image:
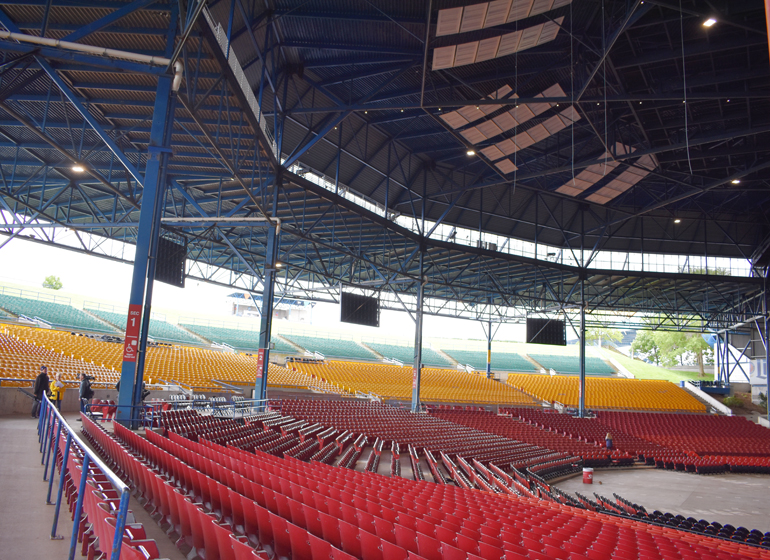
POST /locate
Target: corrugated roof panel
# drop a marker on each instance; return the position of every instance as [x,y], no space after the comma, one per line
[488,49]
[489,129]
[505,121]
[466,53]
[492,153]
[454,119]
[538,132]
[506,166]
[473,17]
[449,21]
[473,135]
[509,43]
[529,37]
[520,10]
[444,57]
[497,13]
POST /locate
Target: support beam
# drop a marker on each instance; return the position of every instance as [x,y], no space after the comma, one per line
[131,375]
[582,403]
[268,295]
[417,366]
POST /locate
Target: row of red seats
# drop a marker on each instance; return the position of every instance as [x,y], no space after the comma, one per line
[483,520]
[515,429]
[174,501]
[421,431]
[98,520]
[701,434]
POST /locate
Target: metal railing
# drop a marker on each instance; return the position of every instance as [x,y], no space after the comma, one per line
[51,421]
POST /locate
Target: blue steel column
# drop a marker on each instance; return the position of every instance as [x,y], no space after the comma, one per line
[152,261]
[268,295]
[767,350]
[153,173]
[582,405]
[489,342]
[417,367]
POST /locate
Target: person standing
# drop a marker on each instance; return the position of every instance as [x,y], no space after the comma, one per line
[86,392]
[608,440]
[57,390]
[40,387]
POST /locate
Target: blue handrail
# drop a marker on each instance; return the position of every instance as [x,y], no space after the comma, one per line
[50,420]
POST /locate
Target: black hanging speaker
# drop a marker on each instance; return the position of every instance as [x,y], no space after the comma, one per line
[361,310]
[546,331]
[170,261]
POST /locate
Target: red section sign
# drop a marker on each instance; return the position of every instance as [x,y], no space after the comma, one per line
[414,378]
[131,345]
[260,362]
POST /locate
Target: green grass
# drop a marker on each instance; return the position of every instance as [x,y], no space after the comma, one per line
[643,370]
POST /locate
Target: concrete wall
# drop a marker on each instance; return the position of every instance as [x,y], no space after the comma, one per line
[13,401]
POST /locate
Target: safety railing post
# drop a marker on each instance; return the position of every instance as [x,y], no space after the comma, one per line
[120,525]
[40,420]
[62,475]
[53,464]
[44,414]
[50,423]
[79,507]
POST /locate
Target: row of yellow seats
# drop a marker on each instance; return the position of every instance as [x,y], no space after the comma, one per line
[395,381]
[609,393]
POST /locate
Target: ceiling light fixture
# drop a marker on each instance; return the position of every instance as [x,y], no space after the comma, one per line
[709,22]
[735,181]
[677,221]
[470,153]
[77,168]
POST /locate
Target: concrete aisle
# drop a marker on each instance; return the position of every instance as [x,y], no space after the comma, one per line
[25,519]
[738,499]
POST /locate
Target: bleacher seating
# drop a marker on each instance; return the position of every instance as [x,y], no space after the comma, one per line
[20,360]
[240,339]
[284,507]
[332,347]
[159,330]
[193,367]
[609,393]
[378,420]
[571,364]
[437,385]
[592,453]
[501,361]
[729,440]
[58,314]
[405,354]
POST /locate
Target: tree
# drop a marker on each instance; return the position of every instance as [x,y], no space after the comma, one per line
[52,282]
[603,333]
[646,346]
[672,346]
[701,350]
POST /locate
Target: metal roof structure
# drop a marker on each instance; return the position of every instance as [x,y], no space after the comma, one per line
[345,126]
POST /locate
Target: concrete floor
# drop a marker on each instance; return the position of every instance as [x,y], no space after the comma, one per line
[25,519]
[738,499]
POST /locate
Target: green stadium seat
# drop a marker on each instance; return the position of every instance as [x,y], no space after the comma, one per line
[501,361]
[240,339]
[571,364]
[159,330]
[405,354]
[58,314]
[332,347]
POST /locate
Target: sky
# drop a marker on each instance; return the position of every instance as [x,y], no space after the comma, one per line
[29,263]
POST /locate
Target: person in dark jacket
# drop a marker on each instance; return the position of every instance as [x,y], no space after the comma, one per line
[40,387]
[86,392]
